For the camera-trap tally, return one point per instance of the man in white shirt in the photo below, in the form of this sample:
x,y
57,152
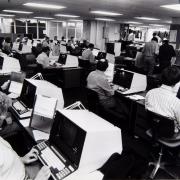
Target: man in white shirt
x,y
98,82
43,58
12,167
131,36
163,100
88,55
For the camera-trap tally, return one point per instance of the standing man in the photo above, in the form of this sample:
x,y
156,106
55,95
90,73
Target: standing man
x,y
150,51
166,52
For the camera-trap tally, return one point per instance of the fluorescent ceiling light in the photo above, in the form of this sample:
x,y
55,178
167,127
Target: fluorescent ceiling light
x,y
106,13
104,19
133,22
43,18
147,18
66,15
48,6
7,15
76,20
17,11
172,6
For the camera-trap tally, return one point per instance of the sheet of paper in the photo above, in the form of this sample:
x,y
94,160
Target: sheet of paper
x,y
25,122
15,87
13,95
136,97
39,135
45,106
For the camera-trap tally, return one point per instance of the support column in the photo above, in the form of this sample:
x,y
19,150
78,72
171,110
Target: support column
x,y
37,29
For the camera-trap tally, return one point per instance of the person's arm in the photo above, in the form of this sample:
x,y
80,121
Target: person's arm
x,y
103,83
156,49
43,174
177,112
30,157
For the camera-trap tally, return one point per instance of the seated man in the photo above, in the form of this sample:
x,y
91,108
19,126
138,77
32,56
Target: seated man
x,y
88,55
43,58
13,167
98,82
163,100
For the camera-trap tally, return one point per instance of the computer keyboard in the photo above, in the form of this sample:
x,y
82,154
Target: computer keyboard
x,y
49,158
19,107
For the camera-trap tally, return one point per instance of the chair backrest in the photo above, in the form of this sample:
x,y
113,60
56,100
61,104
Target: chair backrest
x,y
30,58
39,68
161,126
84,63
93,100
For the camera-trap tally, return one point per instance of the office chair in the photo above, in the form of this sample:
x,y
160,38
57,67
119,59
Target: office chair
x,y
109,114
162,132
93,100
84,63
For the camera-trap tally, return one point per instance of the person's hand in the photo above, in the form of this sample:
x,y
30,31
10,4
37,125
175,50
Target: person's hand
x,y
43,174
30,157
115,87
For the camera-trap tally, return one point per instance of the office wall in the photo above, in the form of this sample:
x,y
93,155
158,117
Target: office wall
x,y
100,32
5,25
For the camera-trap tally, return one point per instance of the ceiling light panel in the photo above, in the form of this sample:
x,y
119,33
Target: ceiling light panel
x,y
48,6
66,15
172,6
106,13
133,22
17,11
104,19
43,18
148,18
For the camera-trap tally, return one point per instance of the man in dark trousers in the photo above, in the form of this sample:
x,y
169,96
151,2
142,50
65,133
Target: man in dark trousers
x,y
166,52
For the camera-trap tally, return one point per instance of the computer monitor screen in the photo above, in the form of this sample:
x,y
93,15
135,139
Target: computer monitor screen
x,y
101,55
62,58
178,93
123,78
1,62
68,138
28,93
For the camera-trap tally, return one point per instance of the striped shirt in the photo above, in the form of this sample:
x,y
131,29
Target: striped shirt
x,y
163,101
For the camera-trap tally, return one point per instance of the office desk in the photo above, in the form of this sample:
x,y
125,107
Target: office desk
x,y
66,77
137,118
70,77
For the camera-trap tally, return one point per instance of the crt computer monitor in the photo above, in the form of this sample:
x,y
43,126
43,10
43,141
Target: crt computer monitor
x,y
62,58
84,139
123,78
1,62
28,94
101,55
68,137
